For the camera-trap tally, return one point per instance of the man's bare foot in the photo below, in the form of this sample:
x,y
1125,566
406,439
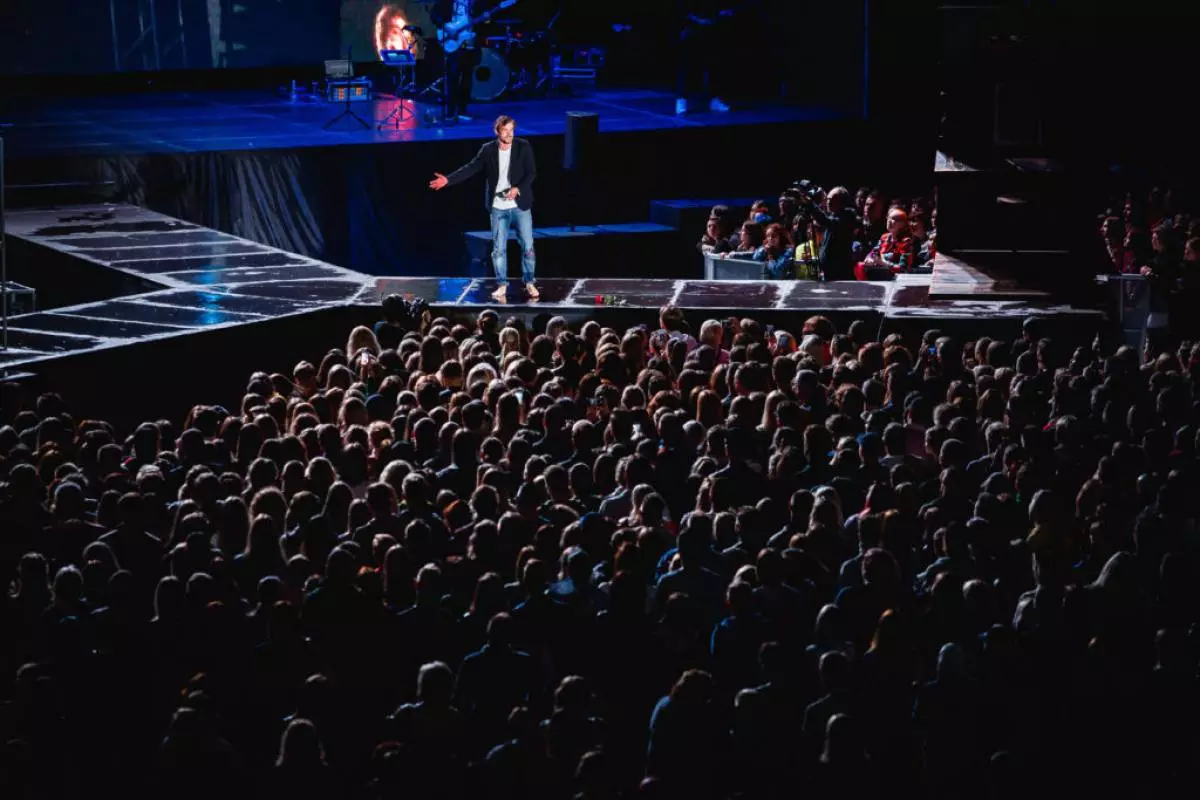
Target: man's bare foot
x,y
532,291
501,294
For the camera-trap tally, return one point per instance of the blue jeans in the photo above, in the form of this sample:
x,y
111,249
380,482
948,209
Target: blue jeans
x,y
502,219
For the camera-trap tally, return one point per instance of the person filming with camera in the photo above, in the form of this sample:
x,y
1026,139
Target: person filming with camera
x,y
836,223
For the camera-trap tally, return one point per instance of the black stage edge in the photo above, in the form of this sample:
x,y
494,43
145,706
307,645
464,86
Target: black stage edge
x,y
902,306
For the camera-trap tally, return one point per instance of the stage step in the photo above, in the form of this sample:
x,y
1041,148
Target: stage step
x,y
688,214
604,251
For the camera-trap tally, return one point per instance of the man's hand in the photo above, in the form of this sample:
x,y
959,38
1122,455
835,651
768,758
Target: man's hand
x,y
512,194
439,182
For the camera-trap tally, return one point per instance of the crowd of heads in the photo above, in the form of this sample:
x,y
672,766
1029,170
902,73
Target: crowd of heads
x,y
692,558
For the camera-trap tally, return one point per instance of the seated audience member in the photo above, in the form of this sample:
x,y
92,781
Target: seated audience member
x,y
750,239
789,209
671,327
1162,272
760,212
776,254
1112,232
1163,264
1189,272
717,238
895,250
726,215
807,238
924,236
712,333
873,223
1185,323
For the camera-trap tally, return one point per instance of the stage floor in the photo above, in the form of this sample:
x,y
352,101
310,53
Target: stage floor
x,y
205,122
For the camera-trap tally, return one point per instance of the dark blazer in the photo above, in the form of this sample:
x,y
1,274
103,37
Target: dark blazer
x,y
522,171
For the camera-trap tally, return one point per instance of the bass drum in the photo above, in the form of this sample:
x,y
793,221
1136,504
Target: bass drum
x,y
491,76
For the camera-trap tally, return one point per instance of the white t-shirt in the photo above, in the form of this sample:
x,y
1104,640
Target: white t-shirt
x,y
502,182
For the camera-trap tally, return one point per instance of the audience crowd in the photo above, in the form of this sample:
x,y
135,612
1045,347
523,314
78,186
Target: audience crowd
x,y
671,561
827,236
1159,238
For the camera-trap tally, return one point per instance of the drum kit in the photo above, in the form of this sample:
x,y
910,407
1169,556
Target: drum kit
x,y
512,62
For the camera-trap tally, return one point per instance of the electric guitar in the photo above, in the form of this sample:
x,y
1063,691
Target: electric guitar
x,y
459,32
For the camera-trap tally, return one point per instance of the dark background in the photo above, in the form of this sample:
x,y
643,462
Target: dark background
x,y
77,36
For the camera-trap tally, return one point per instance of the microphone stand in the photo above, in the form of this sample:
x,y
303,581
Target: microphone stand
x,y
446,89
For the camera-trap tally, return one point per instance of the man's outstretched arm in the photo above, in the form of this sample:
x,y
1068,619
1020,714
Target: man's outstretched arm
x,y
468,170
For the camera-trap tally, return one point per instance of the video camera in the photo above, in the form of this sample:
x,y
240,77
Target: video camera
x,y
408,312
806,189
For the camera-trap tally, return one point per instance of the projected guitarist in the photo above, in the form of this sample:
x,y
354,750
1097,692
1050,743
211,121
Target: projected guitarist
x,y
456,32
702,26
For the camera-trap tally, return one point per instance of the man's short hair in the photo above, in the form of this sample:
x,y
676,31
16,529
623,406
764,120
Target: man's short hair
x,y
501,121
838,195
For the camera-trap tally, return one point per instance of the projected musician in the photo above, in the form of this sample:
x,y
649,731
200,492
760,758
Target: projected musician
x,y
392,31
456,20
457,36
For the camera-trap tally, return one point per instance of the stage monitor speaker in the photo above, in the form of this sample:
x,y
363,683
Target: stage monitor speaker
x,y
583,128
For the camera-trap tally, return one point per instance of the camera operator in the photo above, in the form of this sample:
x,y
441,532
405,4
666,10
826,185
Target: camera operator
x,y
837,224
401,315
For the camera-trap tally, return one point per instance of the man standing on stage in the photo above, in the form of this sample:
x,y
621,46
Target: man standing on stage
x,y
509,166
